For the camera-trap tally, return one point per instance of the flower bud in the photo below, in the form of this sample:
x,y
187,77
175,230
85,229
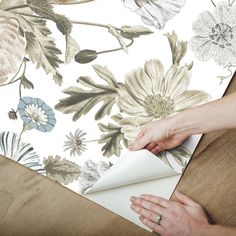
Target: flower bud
x,y
85,56
12,115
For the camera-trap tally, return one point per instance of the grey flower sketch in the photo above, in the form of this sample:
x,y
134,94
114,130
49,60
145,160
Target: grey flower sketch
x,y
90,173
155,12
12,147
76,143
150,94
12,47
216,35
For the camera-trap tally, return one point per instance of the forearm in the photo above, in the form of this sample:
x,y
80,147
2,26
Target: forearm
x,y
216,115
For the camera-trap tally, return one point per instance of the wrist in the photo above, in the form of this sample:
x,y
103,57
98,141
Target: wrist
x,y
186,122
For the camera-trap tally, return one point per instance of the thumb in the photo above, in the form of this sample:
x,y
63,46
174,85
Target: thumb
x,y
140,143
184,199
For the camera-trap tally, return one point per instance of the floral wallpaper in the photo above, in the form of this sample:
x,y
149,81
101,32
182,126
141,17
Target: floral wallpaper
x,y
118,105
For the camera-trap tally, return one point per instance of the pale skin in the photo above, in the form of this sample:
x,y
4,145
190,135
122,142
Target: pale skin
x,y
183,216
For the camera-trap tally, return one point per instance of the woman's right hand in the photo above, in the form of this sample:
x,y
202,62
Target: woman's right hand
x,y
157,136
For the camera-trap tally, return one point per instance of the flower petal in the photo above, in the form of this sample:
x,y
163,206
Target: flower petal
x,y
203,25
176,81
155,72
202,47
190,98
223,12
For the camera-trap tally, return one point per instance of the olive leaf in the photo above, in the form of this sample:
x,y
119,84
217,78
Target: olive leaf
x,y
178,48
81,101
61,170
40,48
45,9
117,34
111,140
131,32
72,48
26,83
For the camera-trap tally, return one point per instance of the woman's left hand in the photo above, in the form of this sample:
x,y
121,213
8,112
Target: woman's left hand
x,y
171,218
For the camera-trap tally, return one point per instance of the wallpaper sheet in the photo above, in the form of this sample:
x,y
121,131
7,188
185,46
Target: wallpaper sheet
x,y
79,79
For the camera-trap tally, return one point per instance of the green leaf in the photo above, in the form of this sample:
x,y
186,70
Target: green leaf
x,y
45,9
72,48
131,32
178,48
26,83
112,139
81,100
40,47
119,37
61,170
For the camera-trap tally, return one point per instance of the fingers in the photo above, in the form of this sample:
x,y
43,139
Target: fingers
x,y
140,143
153,226
157,200
184,199
144,207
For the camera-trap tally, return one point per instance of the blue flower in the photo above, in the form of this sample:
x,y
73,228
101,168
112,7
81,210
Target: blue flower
x,y
36,114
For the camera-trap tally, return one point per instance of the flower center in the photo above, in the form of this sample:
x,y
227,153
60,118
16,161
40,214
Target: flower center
x,y
158,106
36,114
222,35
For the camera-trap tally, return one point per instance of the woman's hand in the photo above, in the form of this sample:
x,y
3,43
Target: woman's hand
x,y
158,136
184,217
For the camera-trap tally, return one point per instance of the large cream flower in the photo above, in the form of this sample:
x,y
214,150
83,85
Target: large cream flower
x,y
148,95
12,47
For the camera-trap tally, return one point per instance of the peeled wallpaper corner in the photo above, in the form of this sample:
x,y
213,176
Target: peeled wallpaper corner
x,y
80,78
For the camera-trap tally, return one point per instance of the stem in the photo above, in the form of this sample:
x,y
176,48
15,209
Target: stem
x,y
92,24
13,79
231,4
116,49
213,3
16,7
74,3
91,141
20,89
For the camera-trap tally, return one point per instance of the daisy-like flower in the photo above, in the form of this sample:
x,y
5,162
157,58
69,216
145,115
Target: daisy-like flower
x,y
12,46
155,12
12,147
216,35
75,143
149,95
36,114
90,173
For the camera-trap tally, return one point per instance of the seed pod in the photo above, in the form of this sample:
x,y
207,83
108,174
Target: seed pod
x,y
85,56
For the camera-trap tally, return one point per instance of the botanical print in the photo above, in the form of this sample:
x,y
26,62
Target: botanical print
x,y
11,146
36,114
152,90
76,143
148,94
90,173
155,12
216,36
61,170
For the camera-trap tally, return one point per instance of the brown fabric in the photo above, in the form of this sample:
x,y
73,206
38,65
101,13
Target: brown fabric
x,y
31,204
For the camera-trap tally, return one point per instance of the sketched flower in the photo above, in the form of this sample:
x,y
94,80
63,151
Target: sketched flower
x,y
216,35
36,114
148,94
12,147
90,173
155,12
12,47
75,143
